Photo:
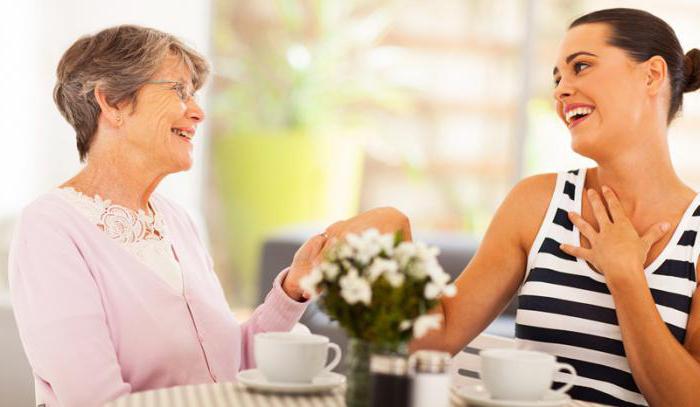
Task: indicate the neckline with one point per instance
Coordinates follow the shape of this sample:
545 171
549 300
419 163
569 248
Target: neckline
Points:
660 258
99 201
147 270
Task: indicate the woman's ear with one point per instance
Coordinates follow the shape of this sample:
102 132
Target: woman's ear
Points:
112 114
657 70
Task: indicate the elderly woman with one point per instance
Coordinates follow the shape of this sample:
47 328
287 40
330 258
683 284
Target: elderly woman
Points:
113 289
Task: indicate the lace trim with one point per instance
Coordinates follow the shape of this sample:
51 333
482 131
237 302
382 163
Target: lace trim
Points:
143 235
118 222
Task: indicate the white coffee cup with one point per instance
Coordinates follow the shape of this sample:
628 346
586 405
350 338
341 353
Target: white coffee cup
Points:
513 374
292 357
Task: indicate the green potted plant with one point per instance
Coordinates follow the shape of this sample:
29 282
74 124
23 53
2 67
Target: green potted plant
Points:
290 88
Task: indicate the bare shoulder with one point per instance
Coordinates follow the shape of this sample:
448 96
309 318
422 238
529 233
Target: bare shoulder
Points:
534 192
526 206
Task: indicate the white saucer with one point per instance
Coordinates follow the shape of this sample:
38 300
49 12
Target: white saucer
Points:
254 379
476 394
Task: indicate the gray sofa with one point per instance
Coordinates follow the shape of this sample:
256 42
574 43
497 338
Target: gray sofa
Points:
456 250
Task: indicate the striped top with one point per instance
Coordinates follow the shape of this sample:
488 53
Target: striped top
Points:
566 309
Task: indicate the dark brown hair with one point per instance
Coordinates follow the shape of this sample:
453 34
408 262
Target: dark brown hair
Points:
120 59
643 35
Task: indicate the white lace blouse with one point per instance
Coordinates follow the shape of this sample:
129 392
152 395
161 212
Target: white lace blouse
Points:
143 235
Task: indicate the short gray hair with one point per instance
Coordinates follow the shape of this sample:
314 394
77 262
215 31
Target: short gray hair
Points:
120 59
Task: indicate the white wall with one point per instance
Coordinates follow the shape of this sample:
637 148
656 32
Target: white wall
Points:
38 146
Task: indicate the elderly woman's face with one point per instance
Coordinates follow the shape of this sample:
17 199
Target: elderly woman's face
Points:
163 126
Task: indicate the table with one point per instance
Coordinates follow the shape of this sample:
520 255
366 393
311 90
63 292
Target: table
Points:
236 395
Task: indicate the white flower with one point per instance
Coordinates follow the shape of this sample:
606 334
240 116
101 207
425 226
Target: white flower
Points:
425 323
450 290
354 288
404 252
386 243
417 270
330 271
365 246
353 241
395 279
436 273
432 291
405 325
425 252
309 282
421 258
345 251
438 285
381 266
370 234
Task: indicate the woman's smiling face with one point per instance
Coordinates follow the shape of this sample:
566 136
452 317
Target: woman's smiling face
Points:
163 126
600 92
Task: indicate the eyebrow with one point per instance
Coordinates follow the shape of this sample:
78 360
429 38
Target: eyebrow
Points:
571 57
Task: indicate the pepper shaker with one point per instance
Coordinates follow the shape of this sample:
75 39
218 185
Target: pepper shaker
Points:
431 379
390 383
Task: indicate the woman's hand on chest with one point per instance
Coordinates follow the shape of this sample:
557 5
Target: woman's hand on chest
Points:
615 245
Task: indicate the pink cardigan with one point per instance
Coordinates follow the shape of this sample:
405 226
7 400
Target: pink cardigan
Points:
97 324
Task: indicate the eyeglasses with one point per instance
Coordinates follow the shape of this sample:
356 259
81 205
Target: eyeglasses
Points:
180 89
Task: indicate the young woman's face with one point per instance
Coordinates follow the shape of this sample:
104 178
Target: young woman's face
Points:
600 92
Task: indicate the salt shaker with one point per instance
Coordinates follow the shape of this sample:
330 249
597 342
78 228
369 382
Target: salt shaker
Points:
390 383
431 379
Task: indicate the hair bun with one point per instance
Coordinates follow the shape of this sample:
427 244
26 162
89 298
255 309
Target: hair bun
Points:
691 70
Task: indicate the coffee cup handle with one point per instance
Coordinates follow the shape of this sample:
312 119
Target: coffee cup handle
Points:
336 358
570 384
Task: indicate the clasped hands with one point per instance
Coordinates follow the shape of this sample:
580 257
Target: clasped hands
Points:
386 220
616 247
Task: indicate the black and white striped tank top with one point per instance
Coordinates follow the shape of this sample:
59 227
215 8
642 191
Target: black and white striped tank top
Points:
565 307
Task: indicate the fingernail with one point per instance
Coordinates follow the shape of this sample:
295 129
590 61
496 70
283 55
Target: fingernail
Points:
605 188
665 227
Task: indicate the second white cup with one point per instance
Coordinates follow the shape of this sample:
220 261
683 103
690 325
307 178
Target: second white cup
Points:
513 374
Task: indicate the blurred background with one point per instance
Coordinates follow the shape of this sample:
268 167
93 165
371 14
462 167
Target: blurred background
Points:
319 109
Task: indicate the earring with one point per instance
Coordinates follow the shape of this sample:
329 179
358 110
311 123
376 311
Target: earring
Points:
118 117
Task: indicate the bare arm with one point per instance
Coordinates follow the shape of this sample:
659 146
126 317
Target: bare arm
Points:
667 372
494 274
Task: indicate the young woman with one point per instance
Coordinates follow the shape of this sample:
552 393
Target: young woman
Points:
604 260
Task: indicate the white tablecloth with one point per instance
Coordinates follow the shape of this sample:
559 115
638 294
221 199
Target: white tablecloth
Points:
235 395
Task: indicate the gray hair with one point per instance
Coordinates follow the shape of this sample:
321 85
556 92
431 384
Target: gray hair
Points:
120 59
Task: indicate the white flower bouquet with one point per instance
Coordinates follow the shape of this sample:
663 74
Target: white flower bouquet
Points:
379 288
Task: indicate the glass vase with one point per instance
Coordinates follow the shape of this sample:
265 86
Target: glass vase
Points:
357 393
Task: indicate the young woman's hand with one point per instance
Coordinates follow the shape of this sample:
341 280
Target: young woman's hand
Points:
615 245
305 259
385 220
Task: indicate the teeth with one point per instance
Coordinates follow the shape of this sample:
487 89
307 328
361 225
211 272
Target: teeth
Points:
578 111
181 133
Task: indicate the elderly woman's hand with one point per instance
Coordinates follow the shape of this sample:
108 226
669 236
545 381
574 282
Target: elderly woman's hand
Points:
308 256
386 220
